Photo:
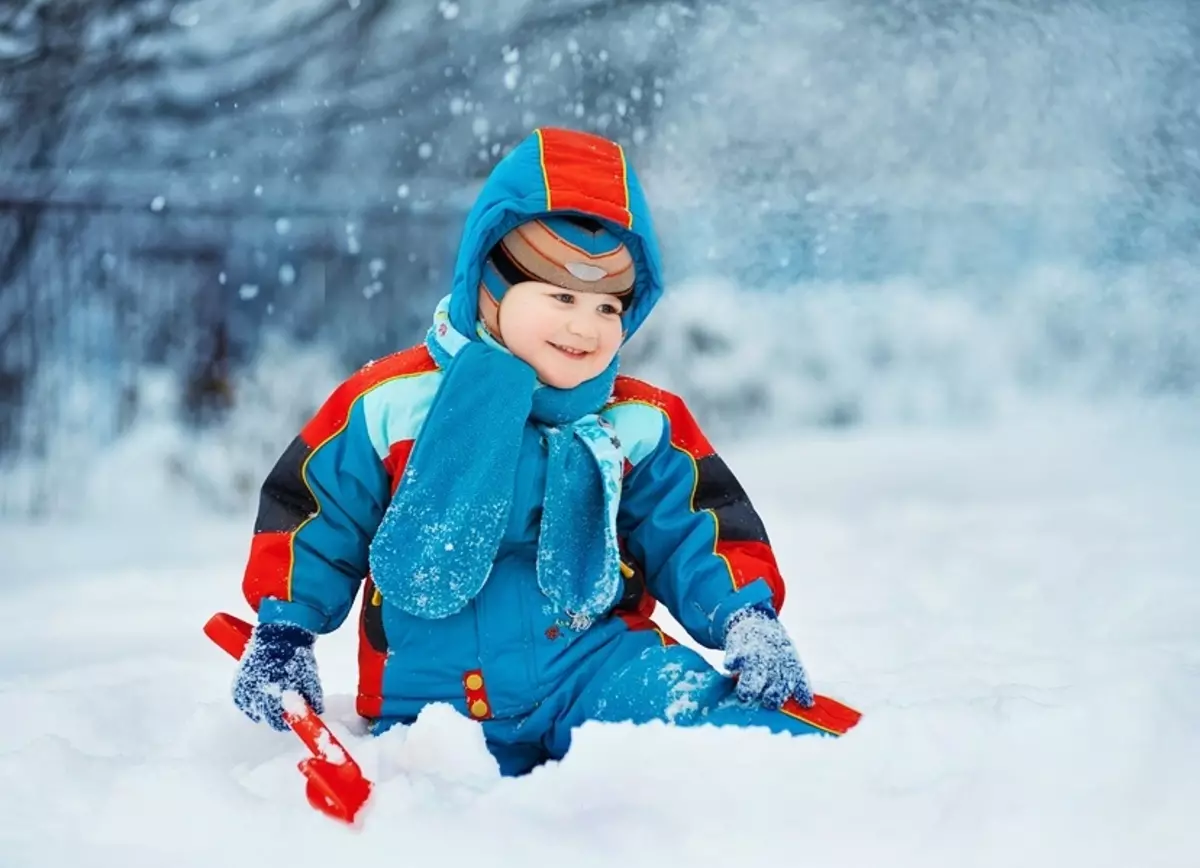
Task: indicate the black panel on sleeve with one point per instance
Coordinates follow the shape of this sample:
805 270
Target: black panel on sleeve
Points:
718 490
285 501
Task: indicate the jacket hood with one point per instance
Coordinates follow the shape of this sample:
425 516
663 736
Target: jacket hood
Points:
557 171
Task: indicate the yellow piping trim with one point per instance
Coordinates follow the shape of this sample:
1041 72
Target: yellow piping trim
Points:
695 485
803 719
545 174
625 184
311 455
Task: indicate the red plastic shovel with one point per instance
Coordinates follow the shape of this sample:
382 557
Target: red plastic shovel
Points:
336 785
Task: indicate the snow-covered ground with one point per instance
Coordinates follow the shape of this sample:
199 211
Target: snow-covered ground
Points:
1015 610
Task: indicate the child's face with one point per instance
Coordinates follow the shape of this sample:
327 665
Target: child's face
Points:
568 337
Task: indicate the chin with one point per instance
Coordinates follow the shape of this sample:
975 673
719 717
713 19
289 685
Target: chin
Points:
560 379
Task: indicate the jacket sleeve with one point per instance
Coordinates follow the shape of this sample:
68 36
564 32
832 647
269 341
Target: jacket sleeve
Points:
318 511
689 522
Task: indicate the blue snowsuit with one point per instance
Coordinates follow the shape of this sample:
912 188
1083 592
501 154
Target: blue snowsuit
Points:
691 537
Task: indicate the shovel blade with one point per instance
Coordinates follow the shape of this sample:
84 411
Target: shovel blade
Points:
339 791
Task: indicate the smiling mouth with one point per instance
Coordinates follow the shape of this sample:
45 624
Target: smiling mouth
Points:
569 351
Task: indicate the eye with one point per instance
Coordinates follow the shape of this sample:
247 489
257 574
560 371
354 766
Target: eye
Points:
610 310
564 297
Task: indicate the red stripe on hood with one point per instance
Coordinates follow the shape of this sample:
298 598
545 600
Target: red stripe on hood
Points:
585 173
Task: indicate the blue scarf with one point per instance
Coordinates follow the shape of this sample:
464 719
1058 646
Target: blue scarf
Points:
435 547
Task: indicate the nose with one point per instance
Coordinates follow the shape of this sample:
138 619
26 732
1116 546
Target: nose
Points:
581 327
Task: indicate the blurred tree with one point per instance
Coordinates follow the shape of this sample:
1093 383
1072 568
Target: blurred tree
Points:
357 110
174 176
52 56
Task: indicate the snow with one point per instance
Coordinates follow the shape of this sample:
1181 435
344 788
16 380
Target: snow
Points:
293 702
330 750
1014 609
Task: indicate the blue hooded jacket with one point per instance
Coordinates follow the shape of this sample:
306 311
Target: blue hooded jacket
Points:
690 533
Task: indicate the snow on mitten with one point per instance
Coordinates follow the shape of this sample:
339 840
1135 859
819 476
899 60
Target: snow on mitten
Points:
759 652
279 657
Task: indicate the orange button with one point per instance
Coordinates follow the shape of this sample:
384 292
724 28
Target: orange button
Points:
479 708
474 681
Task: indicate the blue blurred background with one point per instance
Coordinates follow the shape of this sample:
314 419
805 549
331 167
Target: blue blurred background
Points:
873 212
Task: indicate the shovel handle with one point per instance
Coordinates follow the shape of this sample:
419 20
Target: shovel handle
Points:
827 715
232 634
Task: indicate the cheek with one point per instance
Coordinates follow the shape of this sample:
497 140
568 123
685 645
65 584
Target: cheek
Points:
526 328
611 334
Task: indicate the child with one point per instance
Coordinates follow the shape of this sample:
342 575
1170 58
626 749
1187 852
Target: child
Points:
488 483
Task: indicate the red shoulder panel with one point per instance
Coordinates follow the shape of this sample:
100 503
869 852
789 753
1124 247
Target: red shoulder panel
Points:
685 432
332 417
